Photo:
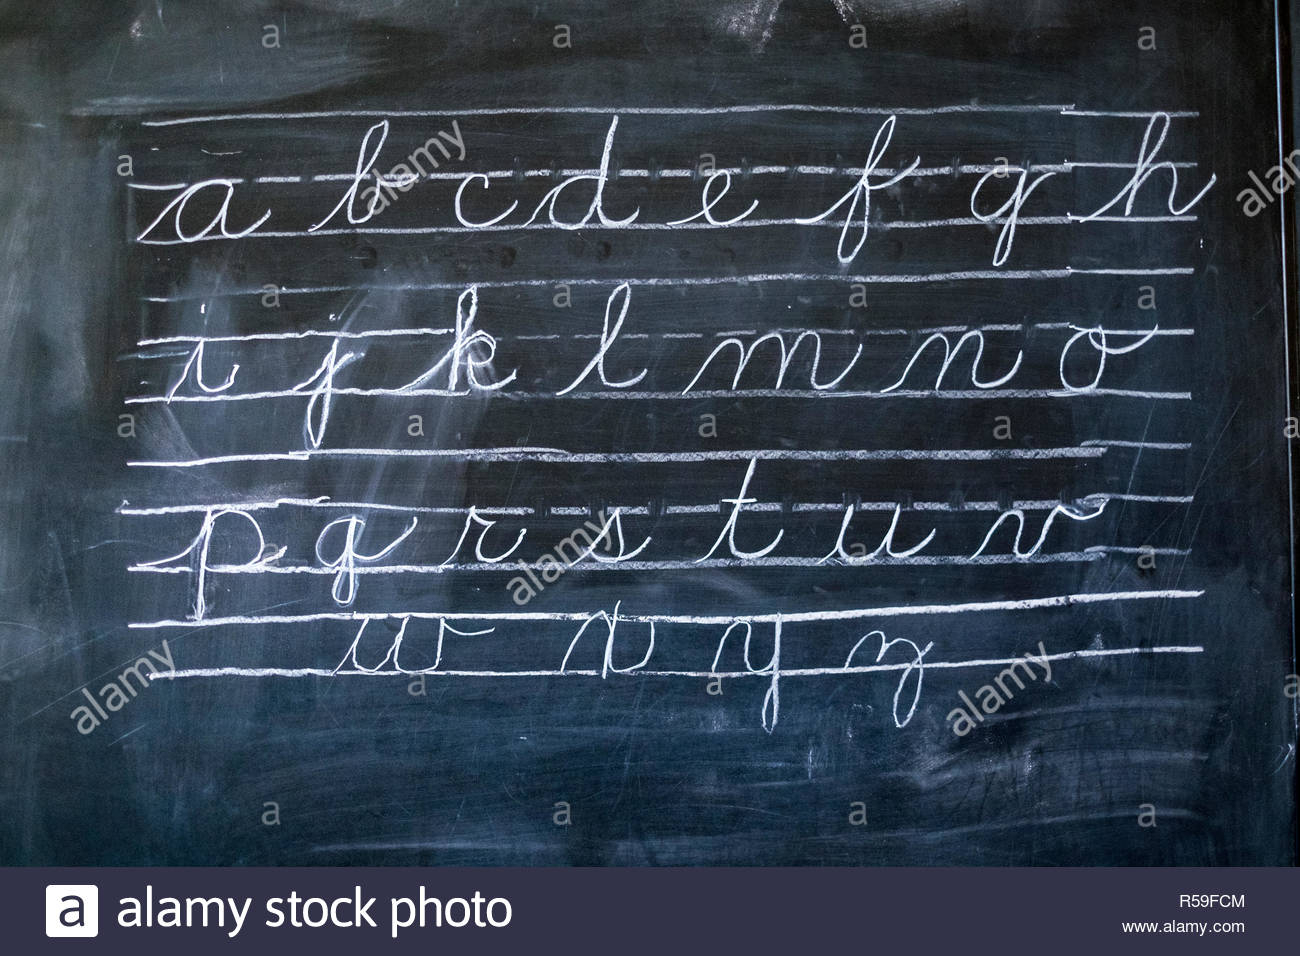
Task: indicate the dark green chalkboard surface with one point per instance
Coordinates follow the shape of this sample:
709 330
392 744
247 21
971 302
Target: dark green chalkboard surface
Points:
733 432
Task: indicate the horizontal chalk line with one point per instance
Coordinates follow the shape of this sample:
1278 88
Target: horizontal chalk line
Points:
1130 114
884 226
611 282
766 673
1149 445
320 502
946 394
1066 109
800 617
627 395
504 567
325 502
1060 109
399 333
276 336
616 172
559 456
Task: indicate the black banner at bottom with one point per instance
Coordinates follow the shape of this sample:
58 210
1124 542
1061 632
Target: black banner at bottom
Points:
631 911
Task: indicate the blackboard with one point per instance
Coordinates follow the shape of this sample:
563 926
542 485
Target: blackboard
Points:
729 432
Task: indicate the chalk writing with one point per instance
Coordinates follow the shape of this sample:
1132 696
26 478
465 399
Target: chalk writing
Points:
483 411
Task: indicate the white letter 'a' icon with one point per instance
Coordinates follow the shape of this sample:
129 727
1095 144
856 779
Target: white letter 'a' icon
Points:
71 910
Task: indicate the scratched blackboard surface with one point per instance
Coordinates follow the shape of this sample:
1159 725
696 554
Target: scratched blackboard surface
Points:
731 432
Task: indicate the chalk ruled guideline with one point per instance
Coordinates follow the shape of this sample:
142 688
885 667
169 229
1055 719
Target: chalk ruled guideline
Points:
859 390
